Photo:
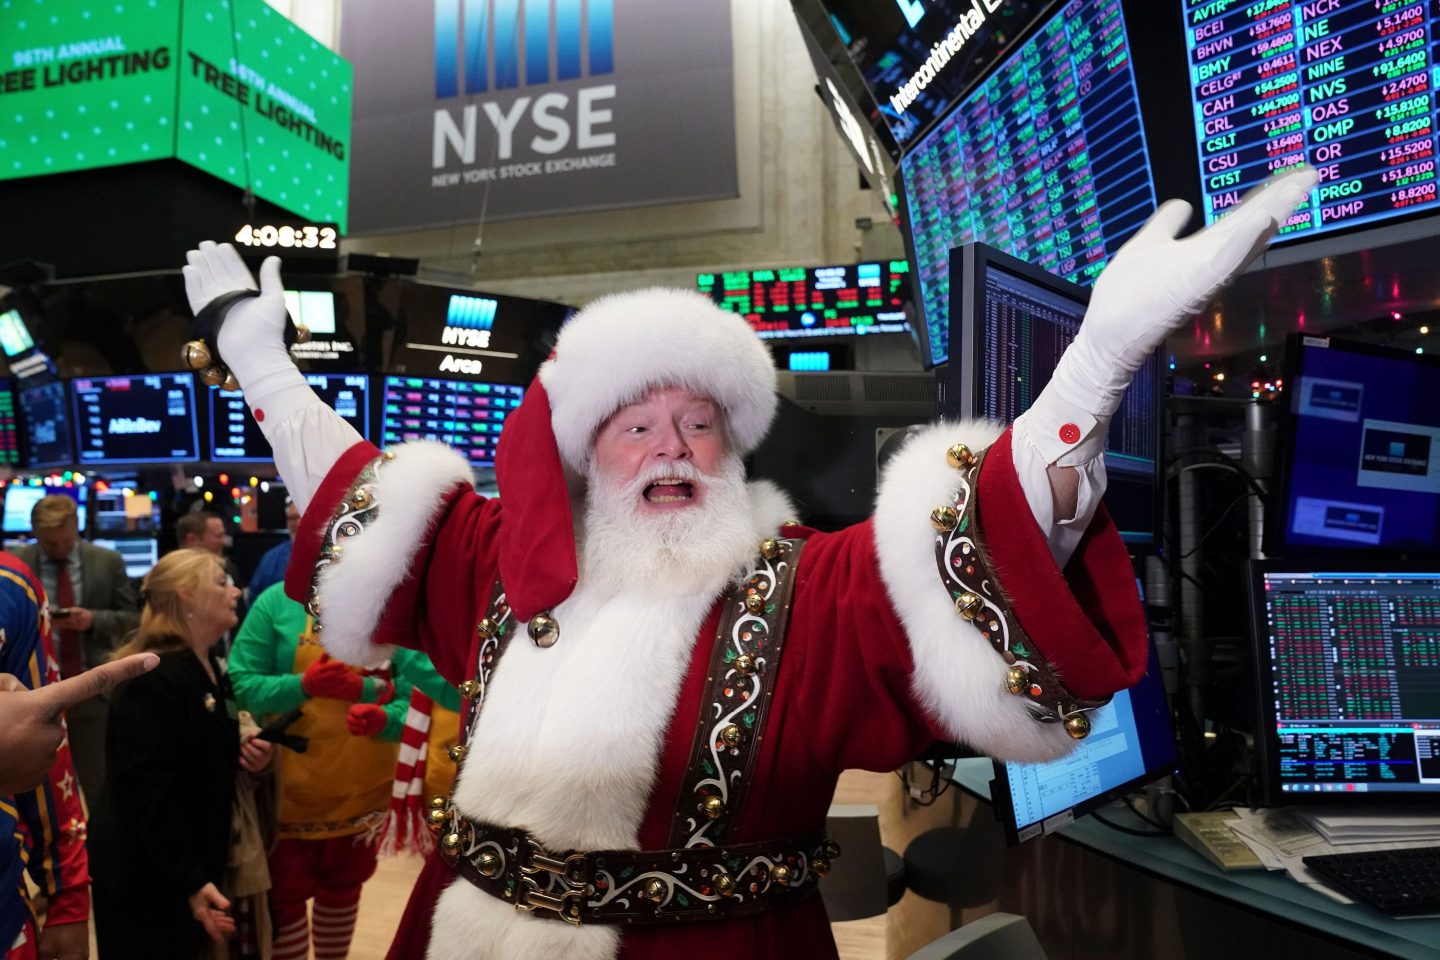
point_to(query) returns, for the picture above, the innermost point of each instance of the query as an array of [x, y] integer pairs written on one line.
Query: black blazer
[[172, 748], [105, 589]]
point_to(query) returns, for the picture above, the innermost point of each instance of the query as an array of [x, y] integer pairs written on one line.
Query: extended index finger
[[58, 697]]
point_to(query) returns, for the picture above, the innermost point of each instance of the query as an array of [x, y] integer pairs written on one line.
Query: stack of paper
[[1348, 827]]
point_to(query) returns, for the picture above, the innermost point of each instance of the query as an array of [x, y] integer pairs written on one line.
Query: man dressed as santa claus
[[663, 674]]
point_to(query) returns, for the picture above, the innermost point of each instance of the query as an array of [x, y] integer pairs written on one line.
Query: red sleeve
[[310, 537]]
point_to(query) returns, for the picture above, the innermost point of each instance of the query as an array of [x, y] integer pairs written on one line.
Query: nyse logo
[[468, 322], [497, 35]]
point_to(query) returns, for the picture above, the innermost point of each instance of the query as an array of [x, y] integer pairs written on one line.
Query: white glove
[[252, 338], [1153, 284]]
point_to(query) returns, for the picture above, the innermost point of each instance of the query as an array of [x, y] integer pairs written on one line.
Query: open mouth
[[670, 490]]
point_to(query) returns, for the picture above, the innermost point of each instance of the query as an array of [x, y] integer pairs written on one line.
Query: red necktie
[[69, 639]]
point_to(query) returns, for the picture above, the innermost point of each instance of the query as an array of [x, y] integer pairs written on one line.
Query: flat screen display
[[801, 302], [1360, 460], [461, 414], [1347, 87], [1044, 159], [312, 308], [1349, 681], [47, 425], [235, 436], [14, 335], [1131, 741], [20, 500], [139, 554], [9, 429], [142, 419]]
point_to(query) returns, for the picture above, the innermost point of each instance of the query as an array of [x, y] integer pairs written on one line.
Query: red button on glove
[[365, 719], [332, 679]]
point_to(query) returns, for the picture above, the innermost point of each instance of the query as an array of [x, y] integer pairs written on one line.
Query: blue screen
[[47, 425], [1364, 450], [461, 414], [1045, 159]]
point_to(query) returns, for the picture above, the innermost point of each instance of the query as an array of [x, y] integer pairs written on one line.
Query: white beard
[[674, 552]]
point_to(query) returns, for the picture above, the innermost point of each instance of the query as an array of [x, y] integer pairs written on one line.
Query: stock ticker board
[[1347, 86], [800, 302], [1045, 159]]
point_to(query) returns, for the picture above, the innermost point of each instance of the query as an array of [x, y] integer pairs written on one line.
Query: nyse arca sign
[[510, 108]]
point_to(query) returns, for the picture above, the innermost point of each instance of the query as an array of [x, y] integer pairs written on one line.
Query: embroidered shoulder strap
[[744, 664], [493, 633]]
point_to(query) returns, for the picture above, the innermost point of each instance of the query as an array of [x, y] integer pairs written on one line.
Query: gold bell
[[1017, 678], [544, 630], [450, 844], [212, 376], [731, 735], [470, 689], [438, 802], [229, 383], [654, 890], [959, 456], [488, 865], [487, 628], [723, 884], [196, 354], [944, 518], [436, 818], [457, 753], [1078, 726], [820, 867], [714, 807], [969, 605], [744, 664], [832, 849], [769, 548], [754, 603], [361, 498], [302, 333], [388, 455], [780, 875]]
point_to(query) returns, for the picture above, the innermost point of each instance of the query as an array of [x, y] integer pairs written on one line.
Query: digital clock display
[[1347, 87], [310, 236]]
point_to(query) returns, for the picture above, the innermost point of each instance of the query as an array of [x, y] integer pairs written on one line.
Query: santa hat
[[608, 355]]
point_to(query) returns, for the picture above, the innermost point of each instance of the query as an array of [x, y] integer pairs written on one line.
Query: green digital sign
[[86, 84], [263, 102], [228, 86]]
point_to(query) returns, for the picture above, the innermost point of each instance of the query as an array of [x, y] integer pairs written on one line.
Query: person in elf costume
[[333, 796], [663, 674]]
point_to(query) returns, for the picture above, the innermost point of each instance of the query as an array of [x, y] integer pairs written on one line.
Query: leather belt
[[634, 886]]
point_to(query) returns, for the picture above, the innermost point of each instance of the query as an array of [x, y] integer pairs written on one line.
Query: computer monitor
[[125, 511], [236, 437], [1012, 321], [1347, 668], [47, 424], [20, 499], [314, 309], [462, 414], [14, 335], [138, 419], [9, 427], [806, 302], [139, 554], [1131, 742], [1299, 95], [1360, 450], [1045, 158]]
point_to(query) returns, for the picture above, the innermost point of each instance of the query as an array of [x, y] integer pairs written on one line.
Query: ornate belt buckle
[[535, 859]]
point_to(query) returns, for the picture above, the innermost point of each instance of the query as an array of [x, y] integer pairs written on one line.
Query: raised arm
[[308, 437]]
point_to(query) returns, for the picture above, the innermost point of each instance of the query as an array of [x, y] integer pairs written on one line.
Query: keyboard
[[1401, 883]]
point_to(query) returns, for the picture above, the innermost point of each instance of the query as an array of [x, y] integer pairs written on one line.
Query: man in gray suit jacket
[[93, 605]]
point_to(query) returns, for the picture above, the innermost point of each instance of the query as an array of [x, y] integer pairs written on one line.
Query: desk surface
[[1274, 893]]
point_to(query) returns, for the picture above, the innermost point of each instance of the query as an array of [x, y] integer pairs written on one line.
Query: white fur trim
[[354, 591], [569, 742], [771, 507], [622, 345], [958, 676]]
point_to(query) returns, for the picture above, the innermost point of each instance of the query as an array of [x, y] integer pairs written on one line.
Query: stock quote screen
[[146, 419], [815, 301], [462, 414], [47, 424], [9, 429], [1045, 160], [1347, 87], [235, 436], [1354, 694]]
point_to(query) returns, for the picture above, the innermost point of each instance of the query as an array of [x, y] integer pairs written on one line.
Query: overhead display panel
[[856, 298], [464, 415], [1348, 87], [139, 419], [1044, 159]]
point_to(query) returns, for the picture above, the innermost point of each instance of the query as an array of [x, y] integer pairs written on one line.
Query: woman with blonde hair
[[160, 844]]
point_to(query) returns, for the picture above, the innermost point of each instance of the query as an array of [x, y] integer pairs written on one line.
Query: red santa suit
[[585, 743]]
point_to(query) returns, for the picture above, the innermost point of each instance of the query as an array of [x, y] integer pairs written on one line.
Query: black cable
[[1215, 526], [1136, 810], [1131, 831]]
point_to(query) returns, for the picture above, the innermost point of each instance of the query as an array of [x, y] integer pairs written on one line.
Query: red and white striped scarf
[[404, 828]]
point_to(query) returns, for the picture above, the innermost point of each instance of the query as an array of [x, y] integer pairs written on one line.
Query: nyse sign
[[534, 107]]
